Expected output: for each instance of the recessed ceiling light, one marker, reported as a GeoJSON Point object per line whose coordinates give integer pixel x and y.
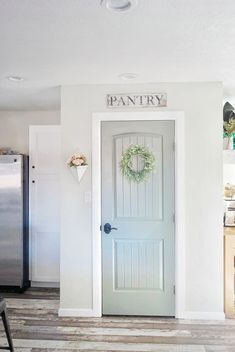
{"type": "Point", "coordinates": [15, 78]}
{"type": "Point", "coordinates": [119, 5]}
{"type": "Point", "coordinates": [128, 76]}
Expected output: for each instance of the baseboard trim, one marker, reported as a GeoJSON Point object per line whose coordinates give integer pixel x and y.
{"type": "Point", "coordinates": [45, 284]}
{"type": "Point", "coordinates": [70, 312]}
{"type": "Point", "coordinates": [203, 315]}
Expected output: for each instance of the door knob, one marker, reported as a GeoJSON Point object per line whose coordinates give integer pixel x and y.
{"type": "Point", "coordinates": [108, 228]}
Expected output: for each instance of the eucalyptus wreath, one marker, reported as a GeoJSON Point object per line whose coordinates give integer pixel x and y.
{"type": "Point", "coordinates": [126, 163]}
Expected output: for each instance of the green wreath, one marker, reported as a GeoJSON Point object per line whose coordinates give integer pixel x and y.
{"type": "Point", "coordinates": [127, 166]}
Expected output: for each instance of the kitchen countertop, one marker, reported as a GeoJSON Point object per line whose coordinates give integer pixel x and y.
{"type": "Point", "coordinates": [229, 230]}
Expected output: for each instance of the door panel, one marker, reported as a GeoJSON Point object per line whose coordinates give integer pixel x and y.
{"type": "Point", "coordinates": [45, 245]}
{"type": "Point", "coordinates": [138, 258]}
{"type": "Point", "coordinates": [45, 151]}
{"type": "Point", "coordinates": [47, 200]}
{"type": "Point", "coordinates": [128, 194]}
{"type": "Point", "coordinates": [46, 155]}
{"type": "Point", "coordinates": [138, 264]}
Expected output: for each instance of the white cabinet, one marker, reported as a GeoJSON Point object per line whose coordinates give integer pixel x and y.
{"type": "Point", "coordinates": [45, 154]}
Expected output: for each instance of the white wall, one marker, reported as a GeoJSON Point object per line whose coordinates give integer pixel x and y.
{"type": "Point", "coordinates": [14, 130]}
{"type": "Point", "coordinates": [202, 103]}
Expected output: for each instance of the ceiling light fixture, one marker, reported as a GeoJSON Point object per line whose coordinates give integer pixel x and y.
{"type": "Point", "coordinates": [128, 76]}
{"type": "Point", "coordinates": [15, 78]}
{"type": "Point", "coordinates": [119, 5]}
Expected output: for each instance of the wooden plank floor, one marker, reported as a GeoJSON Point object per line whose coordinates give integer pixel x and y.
{"type": "Point", "coordinates": [36, 327]}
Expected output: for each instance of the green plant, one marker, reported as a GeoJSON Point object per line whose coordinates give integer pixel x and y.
{"type": "Point", "coordinates": [126, 163]}
{"type": "Point", "coordinates": [229, 128]}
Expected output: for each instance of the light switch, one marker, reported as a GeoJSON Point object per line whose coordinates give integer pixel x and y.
{"type": "Point", "coordinates": [87, 197]}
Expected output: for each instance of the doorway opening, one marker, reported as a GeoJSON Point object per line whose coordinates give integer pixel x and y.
{"type": "Point", "coordinates": [229, 231]}
{"type": "Point", "coordinates": [179, 263]}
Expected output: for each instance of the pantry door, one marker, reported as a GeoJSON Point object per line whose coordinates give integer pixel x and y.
{"type": "Point", "coordinates": [138, 257]}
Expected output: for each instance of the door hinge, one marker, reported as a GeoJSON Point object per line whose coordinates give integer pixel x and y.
{"type": "Point", "coordinates": [173, 217]}
{"type": "Point", "coordinates": [100, 227]}
{"type": "Point", "coordinates": [173, 146]}
{"type": "Point", "coordinates": [174, 289]}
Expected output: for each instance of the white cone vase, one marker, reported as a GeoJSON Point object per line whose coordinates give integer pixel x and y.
{"type": "Point", "coordinates": [81, 171]}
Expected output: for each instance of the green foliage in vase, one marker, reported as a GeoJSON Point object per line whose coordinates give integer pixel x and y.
{"type": "Point", "coordinates": [229, 128]}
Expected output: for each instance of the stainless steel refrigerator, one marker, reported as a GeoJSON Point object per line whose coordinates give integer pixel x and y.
{"type": "Point", "coordinates": [14, 221]}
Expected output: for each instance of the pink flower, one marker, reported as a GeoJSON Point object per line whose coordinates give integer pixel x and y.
{"type": "Point", "coordinates": [77, 162]}
{"type": "Point", "coordinates": [77, 159]}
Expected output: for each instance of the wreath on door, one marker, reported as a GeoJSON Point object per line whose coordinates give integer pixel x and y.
{"type": "Point", "coordinates": [126, 163]}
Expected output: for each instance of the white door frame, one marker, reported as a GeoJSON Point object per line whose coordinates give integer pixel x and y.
{"type": "Point", "coordinates": [178, 117]}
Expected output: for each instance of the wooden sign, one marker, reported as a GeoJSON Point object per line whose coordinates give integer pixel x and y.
{"type": "Point", "coordinates": [136, 100]}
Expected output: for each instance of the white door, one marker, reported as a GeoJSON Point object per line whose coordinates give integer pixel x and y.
{"type": "Point", "coordinates": [44, 164]}
{"type": "Point", "coordinates": [138, 255]}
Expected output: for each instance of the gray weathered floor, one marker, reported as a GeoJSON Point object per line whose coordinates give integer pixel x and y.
{"type": "Point", "coordinates": [36, 328]}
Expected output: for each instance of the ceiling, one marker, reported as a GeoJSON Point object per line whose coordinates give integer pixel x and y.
{"type": "Point", "coordinates": [61, 42]}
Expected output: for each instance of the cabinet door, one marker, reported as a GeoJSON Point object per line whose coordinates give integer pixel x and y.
{"type": "Point", "coordinates": [45, 151]}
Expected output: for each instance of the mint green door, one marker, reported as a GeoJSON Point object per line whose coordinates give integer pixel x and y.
{"type": "Point", "coordinates": [138, 258]}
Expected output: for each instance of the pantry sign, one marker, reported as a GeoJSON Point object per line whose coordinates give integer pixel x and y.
{"type": "Point", "coordinates": [136, 100]}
